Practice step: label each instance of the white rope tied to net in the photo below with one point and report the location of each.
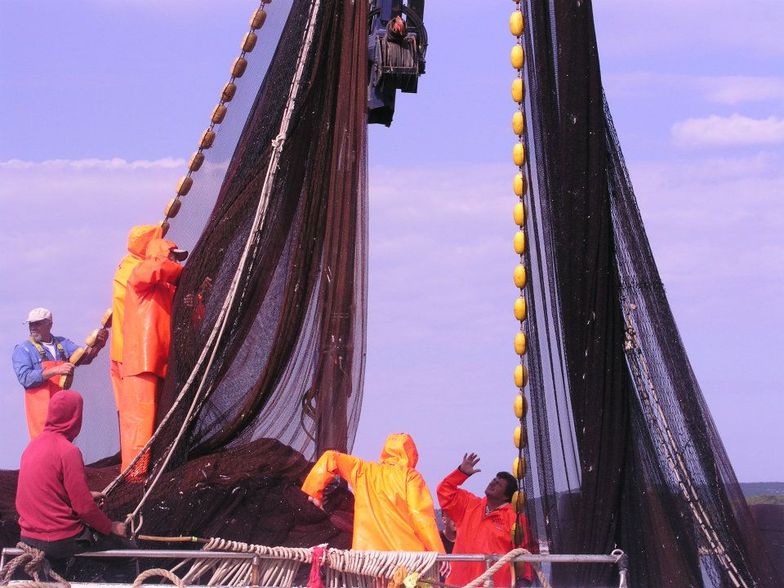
(158, 572)
(507, 558)
(279, 566)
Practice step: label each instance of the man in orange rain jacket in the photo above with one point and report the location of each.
(146, 340)
(138, 239)
(484, 525)
(393, 509)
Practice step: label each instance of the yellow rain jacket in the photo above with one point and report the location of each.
(393, 509)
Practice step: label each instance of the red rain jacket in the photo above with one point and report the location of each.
(393, 509)
(148, 308)
(479, 533)
(52, 497)
(138, 239)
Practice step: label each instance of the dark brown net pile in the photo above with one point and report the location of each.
(626, 453)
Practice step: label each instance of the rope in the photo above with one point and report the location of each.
(158, 572)
(281, 565)
(490, 572)
(35, 565)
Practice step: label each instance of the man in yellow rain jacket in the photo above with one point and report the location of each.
(393, 508)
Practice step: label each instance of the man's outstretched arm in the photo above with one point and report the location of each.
(330, 464)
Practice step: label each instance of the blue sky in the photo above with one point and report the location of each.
(104, 100)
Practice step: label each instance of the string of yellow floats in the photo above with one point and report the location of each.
(257, 20)
(520, 275)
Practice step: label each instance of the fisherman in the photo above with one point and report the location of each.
(146, 340)
(138, 239)
(449, 532)
(393, 509)
(41, 361)
(484, 525)
(57, 511)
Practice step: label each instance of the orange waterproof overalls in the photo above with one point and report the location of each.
(37, 398)
(147, 336)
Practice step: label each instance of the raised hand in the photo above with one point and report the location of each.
(468, 467)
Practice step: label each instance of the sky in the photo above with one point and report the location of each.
(104, 100)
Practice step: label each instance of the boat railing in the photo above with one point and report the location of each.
(617, 557)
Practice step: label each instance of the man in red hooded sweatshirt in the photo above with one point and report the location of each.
(57, 511)
(146, 340)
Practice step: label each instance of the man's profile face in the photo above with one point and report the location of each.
(496, 489)
(40, 330)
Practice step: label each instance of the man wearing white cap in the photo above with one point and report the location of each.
(39, 363)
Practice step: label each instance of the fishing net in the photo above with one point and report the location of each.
(268, 329)
(268, 345)
(625, 451)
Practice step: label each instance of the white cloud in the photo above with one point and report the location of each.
(738, 89)
(734, 130)
(114, 164)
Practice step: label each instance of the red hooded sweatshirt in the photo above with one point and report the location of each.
(52, 498)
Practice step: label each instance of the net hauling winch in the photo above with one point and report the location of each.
(397, 43)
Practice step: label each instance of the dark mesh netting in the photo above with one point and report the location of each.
(268, 350)
(266, 364)
(268, 325)
(625, 452)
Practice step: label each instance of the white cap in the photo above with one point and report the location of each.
(39, 314)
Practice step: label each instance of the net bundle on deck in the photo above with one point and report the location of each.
(625, 451)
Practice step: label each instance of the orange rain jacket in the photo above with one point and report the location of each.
(478, 532)
(393, 509)
(138, 239)
(148, 306)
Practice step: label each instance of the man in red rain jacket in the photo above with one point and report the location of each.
(484, 525)
(146, 341)
(57, 511)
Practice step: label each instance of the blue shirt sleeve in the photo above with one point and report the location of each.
(27, 366)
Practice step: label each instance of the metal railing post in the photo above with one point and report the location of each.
(255, 571)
